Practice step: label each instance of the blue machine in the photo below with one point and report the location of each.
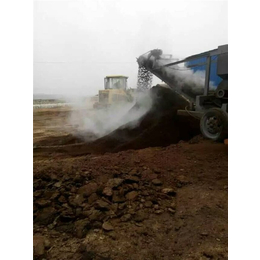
(214, 78)
(211, 107)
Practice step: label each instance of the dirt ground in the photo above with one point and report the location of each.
(168, 202)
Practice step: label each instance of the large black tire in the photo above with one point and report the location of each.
(214, 124)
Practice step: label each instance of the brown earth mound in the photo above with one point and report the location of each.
(159, 127)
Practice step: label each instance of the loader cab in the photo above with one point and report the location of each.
(115, 82)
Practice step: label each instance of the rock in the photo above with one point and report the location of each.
(107, 192)
(131, 179)
(38, 184)
(134, 172)
(88, 189)
(204, 234)
(160, 211)
(37, 193)
(78, 200)
(48, 194)
(140, 216)
(110, 214)
(62, 199)
(208, 255)
(86, 212)
(145, 193)
(107, 226)
(196, 139)
(81, 228)
(156, 207)
(132, 195)
(78, 212)
(102, 205)
(97, 225)
(125, 170)
(135, 186)
(114, 207)
(66, 206)
(38, 245)
(117, 198)
(55, 195)
(66, 177)
(171, 210)
(112, 235)
(121, 206)
(95, 215)
(156, 182)
(157, 170)
(47, 243)
(67, 215)
(129, 187)
(179, 185)
(62, 190)
(53, 177)
(46, 215)
(78, 179)
(148, 204)
(103, 250)
(173, 205)
(43, 203)
(131, 211)
(115, 182)
(57, 184)
(73, 189)
(93, 197)
(82, 248)
(182, 180)
(125, 217)
(169, 191)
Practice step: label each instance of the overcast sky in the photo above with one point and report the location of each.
(77, 43)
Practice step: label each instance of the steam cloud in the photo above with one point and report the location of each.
(90, 124)
(183, 76)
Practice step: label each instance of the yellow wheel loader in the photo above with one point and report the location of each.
(115, 92)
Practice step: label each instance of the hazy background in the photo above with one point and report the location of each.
(77, 43)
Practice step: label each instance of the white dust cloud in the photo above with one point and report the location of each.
(89, 123)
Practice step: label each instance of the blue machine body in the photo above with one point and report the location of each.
(214, 78)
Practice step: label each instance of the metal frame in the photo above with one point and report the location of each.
(221, 49)
(201, 104)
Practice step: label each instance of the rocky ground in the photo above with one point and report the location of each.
(155, 203)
